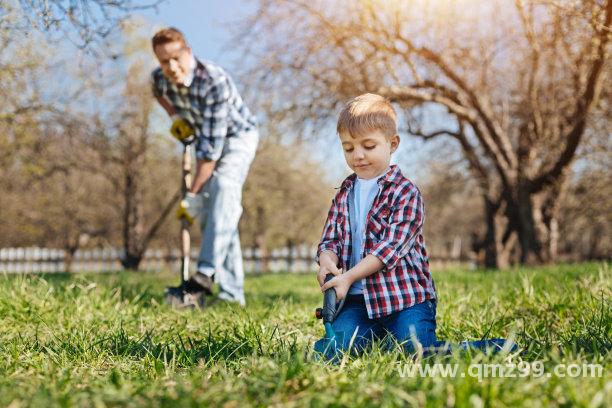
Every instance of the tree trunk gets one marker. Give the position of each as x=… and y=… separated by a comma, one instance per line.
x=521, y=223
x=499, y=238
x=131, y=261
x=530, y=227
x=132, y=224
x=261, y=238
x=68, y=259
x=290, y=249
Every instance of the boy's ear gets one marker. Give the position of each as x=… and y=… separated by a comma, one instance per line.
x=395, y=141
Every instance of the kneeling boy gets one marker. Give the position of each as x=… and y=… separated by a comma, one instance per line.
x=373, y=237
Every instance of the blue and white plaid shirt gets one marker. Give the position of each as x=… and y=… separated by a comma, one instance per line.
x=211, y=103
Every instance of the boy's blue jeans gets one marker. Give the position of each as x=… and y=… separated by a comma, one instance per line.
x=354, y=329
x=414, y=324
x=220, y=252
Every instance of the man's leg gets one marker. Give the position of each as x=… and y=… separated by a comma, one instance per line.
x=220, y=251
x=231, y=280
x=219, y=232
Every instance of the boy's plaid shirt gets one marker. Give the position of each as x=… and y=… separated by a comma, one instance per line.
x=394, y=234
x=211, y=104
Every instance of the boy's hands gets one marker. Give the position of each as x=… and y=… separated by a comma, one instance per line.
x=327, y=264
x=341, y=283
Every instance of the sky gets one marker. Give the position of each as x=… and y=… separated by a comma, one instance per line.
x=208, y=26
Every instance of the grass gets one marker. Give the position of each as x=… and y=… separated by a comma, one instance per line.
x=108, y=340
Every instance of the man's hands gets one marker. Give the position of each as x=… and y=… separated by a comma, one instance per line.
x=190, y=207
x=181, y=129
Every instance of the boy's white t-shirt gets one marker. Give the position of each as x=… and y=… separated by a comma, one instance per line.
x=364, y=194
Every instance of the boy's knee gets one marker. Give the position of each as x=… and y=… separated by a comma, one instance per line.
x=422, y=340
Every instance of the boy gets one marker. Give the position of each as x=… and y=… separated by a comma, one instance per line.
x=373, y=237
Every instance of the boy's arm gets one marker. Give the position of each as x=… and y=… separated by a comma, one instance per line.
x=342, y=283
x=329, y=248
x=328, y=263
x=398, y=238
x=405, y=224
x=330, y=241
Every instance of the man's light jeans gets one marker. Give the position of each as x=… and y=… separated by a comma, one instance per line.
x=220, y=252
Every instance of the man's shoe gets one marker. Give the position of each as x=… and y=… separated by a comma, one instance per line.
x=200, y=283
x=179, y=298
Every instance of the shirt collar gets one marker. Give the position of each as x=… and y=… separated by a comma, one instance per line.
x=392, y=175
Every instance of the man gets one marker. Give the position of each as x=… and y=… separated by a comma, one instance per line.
x=204, y=104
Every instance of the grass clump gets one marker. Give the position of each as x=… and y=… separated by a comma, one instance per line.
x=108, y=340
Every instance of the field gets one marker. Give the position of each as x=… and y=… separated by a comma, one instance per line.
x=107, y=340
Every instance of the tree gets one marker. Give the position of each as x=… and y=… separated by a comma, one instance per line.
x=514, y=85
x=87, y=164
x=452, y=208
x=285, y=198
x=139, y=165
x=586, y=216
x=84, y=22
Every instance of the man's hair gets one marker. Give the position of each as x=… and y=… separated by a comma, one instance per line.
x=168, y=35
x=367, y=113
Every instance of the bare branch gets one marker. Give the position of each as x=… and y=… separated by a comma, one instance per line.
x=583, y=107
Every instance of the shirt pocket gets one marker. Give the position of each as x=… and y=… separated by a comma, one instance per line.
x=379, y=222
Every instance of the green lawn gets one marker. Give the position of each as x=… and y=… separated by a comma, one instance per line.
x=107, y=340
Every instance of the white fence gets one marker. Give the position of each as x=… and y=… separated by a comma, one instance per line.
x=48, y=260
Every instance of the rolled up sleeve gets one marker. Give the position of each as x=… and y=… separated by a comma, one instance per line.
x=406, y=223
x=157, y=86
x=330, y=241
x=214, y=128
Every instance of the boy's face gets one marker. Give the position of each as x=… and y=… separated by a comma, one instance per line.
x=174, y=60
x=368, y=155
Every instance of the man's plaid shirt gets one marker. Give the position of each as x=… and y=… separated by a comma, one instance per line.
x=211, y=104
x=394, y=234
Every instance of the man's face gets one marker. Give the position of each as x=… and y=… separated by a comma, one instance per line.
x=368, y=155
x=174, y=59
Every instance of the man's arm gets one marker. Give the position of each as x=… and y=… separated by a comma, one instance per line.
x=204, y=170
x=215, y=111
x=166, y=105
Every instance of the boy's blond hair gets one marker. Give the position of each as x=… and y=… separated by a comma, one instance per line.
x=367, y=113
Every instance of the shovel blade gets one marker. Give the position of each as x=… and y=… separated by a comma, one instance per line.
x=178, y=298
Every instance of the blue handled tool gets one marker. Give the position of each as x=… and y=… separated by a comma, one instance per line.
x=180, y=296
x=328, y=345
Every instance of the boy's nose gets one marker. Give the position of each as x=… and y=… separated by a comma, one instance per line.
x=359, y=154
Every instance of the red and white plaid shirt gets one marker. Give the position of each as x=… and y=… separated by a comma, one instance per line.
x=394, y=234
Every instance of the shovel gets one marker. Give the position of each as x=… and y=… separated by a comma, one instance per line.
x=179, y=296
